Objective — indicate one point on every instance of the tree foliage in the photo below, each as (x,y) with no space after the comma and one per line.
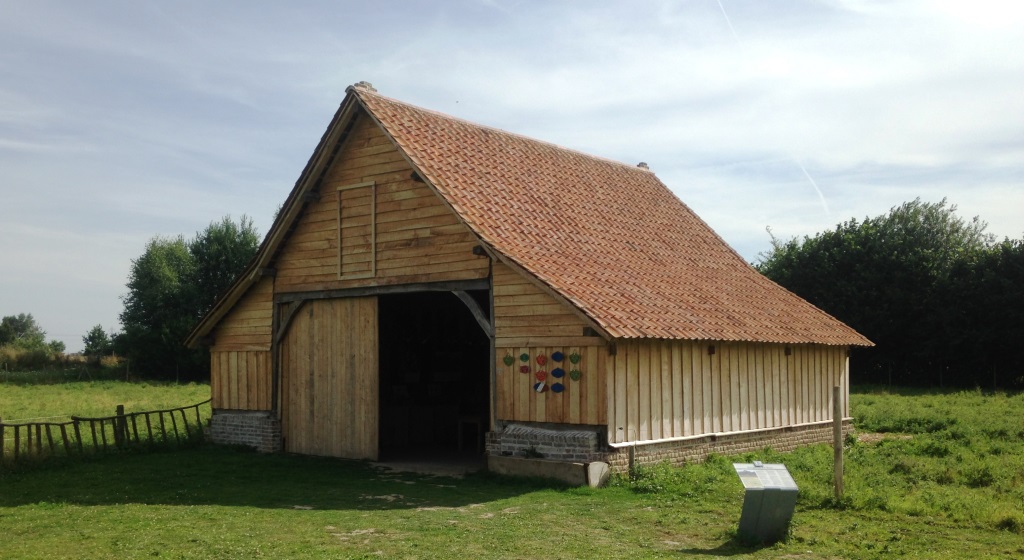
(219,253)
(918,282)
(21,331)
(97,342)
(171,286)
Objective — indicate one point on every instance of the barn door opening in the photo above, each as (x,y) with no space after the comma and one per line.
(434,375)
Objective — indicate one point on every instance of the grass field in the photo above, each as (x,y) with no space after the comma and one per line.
(943,480)
(57,395)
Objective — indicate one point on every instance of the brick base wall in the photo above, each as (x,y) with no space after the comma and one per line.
(586,445)
(696,450)
(573,445)
(257,429)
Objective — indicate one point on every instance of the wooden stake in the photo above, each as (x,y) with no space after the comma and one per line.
(837,441)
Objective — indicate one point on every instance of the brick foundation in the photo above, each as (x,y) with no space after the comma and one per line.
(697,449)
(558,443)
(585,445)
(257,429)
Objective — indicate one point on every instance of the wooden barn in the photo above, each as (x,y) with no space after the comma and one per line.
(431,284)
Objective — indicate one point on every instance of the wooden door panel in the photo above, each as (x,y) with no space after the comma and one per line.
(330,379)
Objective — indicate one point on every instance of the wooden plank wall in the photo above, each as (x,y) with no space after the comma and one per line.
(418,238)
(240,380)
(529,321)
(247,326)
(240,358)
(330,379)
(527,316)
(667,389)
(582,401)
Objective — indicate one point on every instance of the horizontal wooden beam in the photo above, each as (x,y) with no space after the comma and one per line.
(449,286)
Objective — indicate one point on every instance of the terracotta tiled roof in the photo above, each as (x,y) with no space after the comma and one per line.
(611,238)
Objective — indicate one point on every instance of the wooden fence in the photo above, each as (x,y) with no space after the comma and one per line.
(83,435)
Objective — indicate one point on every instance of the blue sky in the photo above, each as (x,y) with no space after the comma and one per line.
(120,121)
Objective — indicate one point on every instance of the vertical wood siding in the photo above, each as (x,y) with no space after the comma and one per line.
(528,320)
(240,380)
(670,389)
(417,237)
(582,402)
(330,379)
(240,369)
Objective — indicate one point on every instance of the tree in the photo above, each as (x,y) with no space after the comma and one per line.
(219,253)
(97,342)
(171,286)
(887,278)
(159,308)
(21,331)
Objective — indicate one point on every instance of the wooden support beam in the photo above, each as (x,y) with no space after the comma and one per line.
(454,285)
(482,319)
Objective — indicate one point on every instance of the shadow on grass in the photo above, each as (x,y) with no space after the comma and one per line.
(734,546)
(212,475)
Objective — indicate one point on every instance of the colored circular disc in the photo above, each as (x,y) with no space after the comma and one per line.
(524,357)
(541,375)
(509,360)
(557,388)
(542,359)
(557,356)
(540,387)
(575,375)
(524,369)
(557,372)
(574,358)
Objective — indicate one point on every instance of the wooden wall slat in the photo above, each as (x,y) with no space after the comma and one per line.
(329,371)
(417,235)
(660,389)
(667,414)
(676,357)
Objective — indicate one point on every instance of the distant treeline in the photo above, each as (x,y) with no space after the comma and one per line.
(942,300)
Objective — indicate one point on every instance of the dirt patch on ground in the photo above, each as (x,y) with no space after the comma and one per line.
(871,438)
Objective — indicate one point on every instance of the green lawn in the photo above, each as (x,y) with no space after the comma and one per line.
(56,398)
(922,496)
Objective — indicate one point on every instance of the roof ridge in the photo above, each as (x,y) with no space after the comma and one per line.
(361,91)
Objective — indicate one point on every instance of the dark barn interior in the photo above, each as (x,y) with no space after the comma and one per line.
(434,375)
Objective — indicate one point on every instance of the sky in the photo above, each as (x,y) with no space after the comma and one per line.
(121,121)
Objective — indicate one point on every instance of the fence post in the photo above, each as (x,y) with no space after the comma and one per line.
(837,440)
(3,442)
(78,436)
(119,426)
